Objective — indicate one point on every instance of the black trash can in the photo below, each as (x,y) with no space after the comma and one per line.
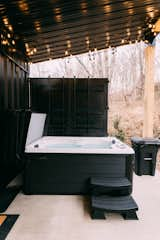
(145,155)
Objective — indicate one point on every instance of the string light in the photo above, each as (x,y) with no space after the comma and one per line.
(68,44)
(37,26)
(84,7)
(107,8)
(4,42)
(10,28)
(66,53)
(130,11)
(58,15)
(5,20)
(48,50)
(87,40)
(23,6)
(13,50)
(30,51)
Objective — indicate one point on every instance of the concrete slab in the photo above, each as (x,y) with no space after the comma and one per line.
(67,217)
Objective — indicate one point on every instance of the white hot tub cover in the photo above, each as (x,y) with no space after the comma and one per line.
(36,127)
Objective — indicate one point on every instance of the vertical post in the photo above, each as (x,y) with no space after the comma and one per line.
(149,92)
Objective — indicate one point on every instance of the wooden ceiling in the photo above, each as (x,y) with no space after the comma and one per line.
(57,28)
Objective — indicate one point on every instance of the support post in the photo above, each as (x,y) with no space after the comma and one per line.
(149,92)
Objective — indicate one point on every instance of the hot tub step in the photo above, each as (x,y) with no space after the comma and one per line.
(110,186)
(125,205)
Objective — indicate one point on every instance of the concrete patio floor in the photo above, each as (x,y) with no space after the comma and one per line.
(67,217)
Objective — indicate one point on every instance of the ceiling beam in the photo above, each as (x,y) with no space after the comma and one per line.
(157,26)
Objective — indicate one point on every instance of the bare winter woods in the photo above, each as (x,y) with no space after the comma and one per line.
(124,67)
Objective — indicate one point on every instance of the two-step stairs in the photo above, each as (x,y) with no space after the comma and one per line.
(112,195)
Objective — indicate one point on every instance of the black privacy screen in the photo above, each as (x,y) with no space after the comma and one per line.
(74,106)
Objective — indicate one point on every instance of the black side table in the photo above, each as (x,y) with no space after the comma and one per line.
(145,155)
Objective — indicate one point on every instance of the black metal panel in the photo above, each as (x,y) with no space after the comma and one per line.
(75,107)
(13,132)
(13,85)
(59,106)
(40,90)
(13,101)
(70,173)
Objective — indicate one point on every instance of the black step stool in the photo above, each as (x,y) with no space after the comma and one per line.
(125,205)
(112,195)
(110,186)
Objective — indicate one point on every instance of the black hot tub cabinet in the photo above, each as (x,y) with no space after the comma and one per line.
(67,173)
(64,165)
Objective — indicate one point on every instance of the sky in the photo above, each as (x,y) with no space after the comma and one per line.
(123,66)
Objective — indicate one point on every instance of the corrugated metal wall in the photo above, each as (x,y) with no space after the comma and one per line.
(13,80)
(13,104)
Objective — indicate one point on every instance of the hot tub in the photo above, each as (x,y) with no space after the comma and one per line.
(64,165)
